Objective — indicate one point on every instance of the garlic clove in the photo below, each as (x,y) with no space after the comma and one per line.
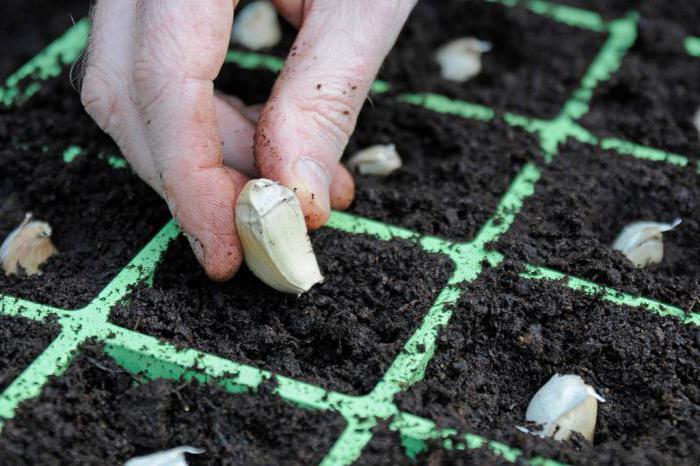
(257,26)
(172,457)
(460,59)
(273,233)
(377,160)
(642,242)
(27,247)
(696,121)
(563,405)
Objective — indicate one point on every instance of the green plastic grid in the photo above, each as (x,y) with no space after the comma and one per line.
(141,353)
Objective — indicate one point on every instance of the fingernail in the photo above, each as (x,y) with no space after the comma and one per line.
(317,181)
(196,247)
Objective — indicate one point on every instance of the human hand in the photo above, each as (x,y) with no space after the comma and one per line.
(149,84)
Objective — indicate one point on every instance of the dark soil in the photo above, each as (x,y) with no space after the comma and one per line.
(21,341)
(101,216)
(459,168)
(652,99)
(97,413)
(509,336)
(251,86)
(386,448)
(571,230)
(27,26)
(535,65)
(342,335)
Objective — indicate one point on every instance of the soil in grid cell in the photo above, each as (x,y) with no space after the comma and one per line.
(535,64)
(342,335)
(387,447)
(24,31)
(100,216)
(98,413)
(585,199)
(652,99)
(454,170)
(21,341)
(252,86)
(508,336)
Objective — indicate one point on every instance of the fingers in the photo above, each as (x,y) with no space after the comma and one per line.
(179,49)
(342,188)
(313,108)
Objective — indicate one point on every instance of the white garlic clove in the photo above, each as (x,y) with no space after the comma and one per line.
(257,26)
(460,59)
(563,405)
(378,160)
(642,242)
(696,121)
(27,247)
(172,457)
(273,233)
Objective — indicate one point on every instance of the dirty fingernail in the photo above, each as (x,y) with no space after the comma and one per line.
(316,179)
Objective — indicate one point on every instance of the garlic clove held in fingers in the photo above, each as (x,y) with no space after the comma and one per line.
(460,59)
(273,233)
(377,160)
(563,405)
(642,242)
(27,247)
(257,26)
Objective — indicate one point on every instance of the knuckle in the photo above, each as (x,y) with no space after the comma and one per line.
(98,96)
(333,114)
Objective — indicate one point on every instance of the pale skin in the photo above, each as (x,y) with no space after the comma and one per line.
(148,83)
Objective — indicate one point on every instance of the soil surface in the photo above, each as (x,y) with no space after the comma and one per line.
(100,216)
(535,65)
(386,448)
(97,413)
(342,335)
(27,26)
(21,341)
(572,230)
(508,336)
(653,98)
(459,168)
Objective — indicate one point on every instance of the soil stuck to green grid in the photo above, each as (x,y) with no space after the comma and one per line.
(386,447)
(342,335)
(97,413)
(653,98)
(508,336)
(582,202)
(21,341)
(458,168)
(535,65)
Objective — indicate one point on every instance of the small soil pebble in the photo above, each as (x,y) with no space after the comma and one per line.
(509,335)
(534,66)
(388,447)
(98,413)
(457,169)
(101,216)
(21,341)
(652,99)
(584,200)
(341,335)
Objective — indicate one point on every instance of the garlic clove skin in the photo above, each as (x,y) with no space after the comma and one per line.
(273,233)
(172,457)
(257,26)
(563,405)
(377,160)
(642,242)
(460,59)
(27,247)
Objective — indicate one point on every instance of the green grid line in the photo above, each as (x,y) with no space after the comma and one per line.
(140,353)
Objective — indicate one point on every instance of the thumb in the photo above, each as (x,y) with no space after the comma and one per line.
(314,104)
